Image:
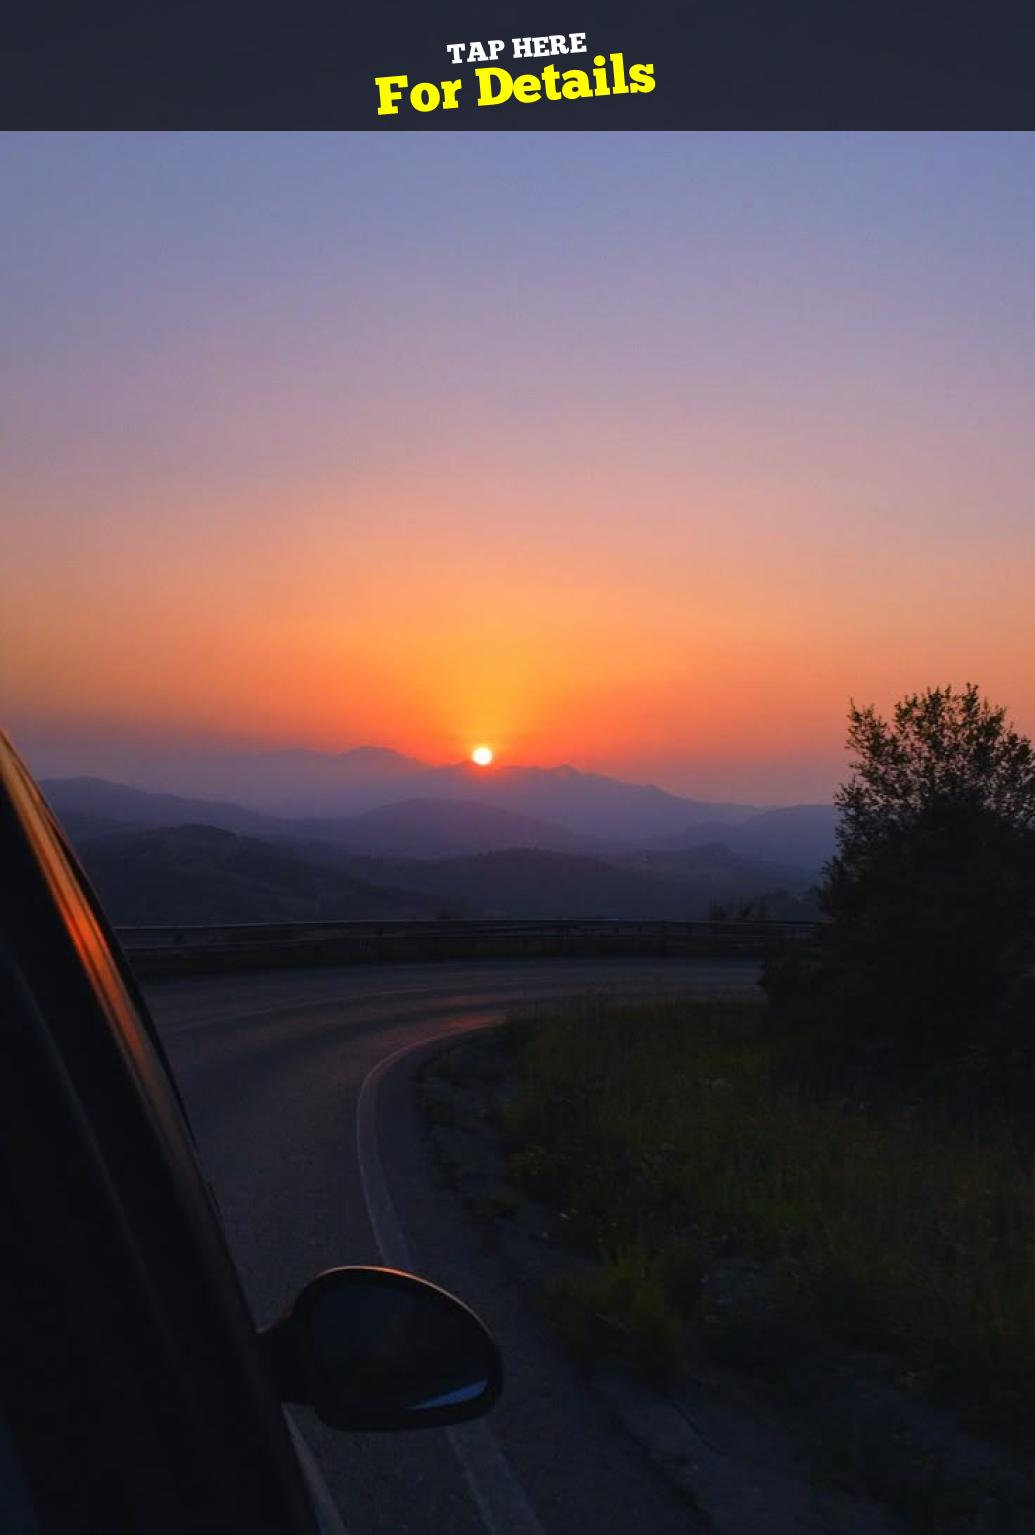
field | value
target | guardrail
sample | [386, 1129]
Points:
[187, 950]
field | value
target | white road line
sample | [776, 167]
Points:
[496, 1490]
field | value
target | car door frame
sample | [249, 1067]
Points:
[134, 1379]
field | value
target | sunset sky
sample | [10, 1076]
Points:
[644, 453]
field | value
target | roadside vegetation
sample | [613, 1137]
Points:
[722, 1196]
[923, 989]
[858, 1151]
[830, 1186]
[844, 1169]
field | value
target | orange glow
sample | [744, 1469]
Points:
[697, 659]
[644, 455]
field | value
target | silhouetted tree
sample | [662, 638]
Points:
[931, 894]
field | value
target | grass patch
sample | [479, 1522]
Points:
[622, 1309]
[676, 1135]
[499, 1204]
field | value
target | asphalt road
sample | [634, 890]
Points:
[275, 1068]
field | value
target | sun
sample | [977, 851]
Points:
[482, 755]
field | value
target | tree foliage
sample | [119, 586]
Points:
[945, 753]
[931, 895]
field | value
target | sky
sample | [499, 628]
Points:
[644, 452]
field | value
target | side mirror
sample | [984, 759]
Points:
[373, 1348]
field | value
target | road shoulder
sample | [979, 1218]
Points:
[775, 1447]
[579, 1466]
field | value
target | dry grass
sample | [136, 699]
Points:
[674, 1134]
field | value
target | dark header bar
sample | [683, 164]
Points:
[570, 64]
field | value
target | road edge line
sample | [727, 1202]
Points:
[495, 1488]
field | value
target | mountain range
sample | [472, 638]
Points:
[609, 849]
[321, 784]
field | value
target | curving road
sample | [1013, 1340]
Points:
[297, 1084]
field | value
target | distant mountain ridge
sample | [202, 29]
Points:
[120, 804]
[428, 828]
[798, 838]
[304, 784]
[293, 781]
[165, 858]
[796, 834]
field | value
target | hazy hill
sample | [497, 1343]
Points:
[717, 862]
[586, 803]
[80, 825]
[116, 804]
[428, 828]
[525, 882]
[764, 851]
[410, 828]
[562, 800]
[293, 782]
[202, 874]
[307, 784]
[799, 835]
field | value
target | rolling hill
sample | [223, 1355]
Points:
[529, 882]
[429, 828]
[119, 805]
[292, 782]
[409, 828]
[165, 858]
[801, 835]
[203, 874]
[306, 784]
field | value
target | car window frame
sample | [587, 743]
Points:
[79, 1032]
